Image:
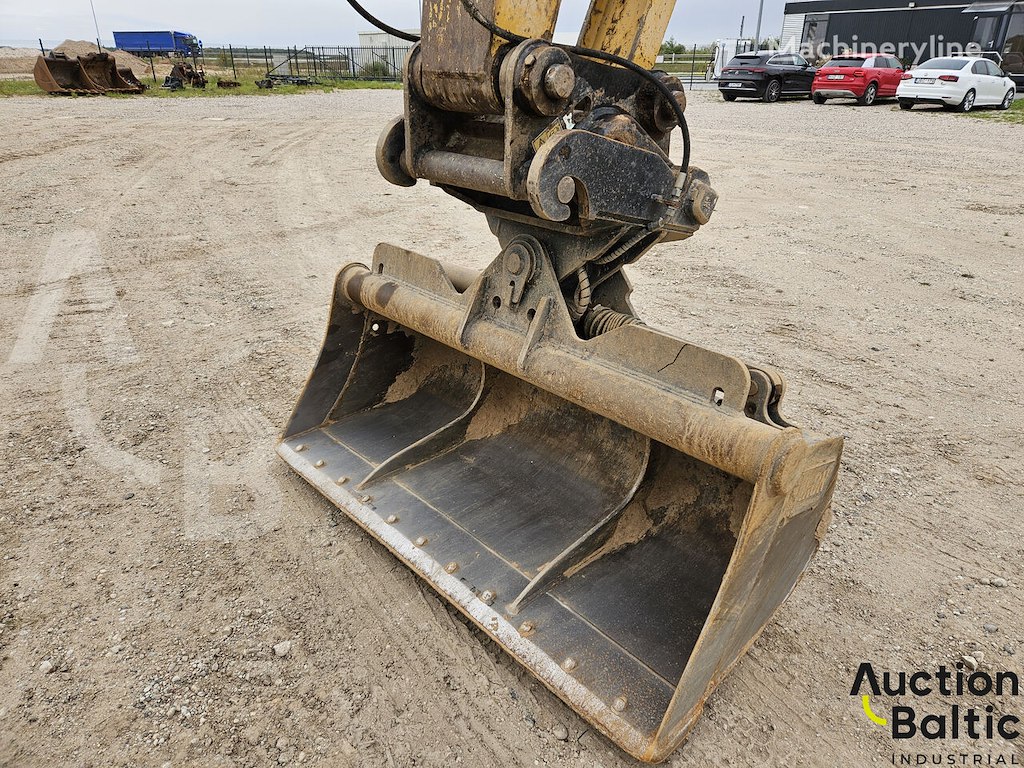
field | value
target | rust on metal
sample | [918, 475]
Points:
[91, 74]
[103, 71]
[62, 75]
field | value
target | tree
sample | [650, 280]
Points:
[671, 46]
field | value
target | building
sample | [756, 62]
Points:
[380, 55]
[378, 39]
[913, 31]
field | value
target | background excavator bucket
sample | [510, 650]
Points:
[607, 510]
[103, 72]
[61, 74]
[129, 77]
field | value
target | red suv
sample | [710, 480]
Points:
[864, 78]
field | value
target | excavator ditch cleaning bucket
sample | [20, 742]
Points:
[102, 71]
[623, 514]
[61, 74]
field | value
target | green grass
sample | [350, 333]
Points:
[685, 67]
[248, 88]
[1016, 112]
[20, 88]
[1014, 115]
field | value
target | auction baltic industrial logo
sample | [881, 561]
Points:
[985, 722]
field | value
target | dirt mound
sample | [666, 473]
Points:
[82, 47]
[17, 65]
[17, 61]
[77, 47]
[20, 61]
[6, 52]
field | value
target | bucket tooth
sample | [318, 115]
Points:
[622, 514]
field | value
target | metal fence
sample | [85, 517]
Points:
[385, 63]
[692, 67]
[313, 61]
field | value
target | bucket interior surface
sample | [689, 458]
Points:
[653, 597]
[624, 541]
[527, 473]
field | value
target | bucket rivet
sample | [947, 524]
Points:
[487, 596]
[300, 448]
[319, 463]
[391, 519]
[569, 664]
[366, 499]
[451, 567]
[341, 480]
[619, 704]
[527, 627]
[421, 541]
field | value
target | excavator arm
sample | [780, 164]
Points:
[623, 511]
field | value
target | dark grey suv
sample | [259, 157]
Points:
[766, 75]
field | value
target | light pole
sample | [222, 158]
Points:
[757, 35]
[97, 25]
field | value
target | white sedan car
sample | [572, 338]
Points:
[961, 83]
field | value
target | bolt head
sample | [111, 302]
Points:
[451, 567]
[569, 664]
[487, 596]
[391, 519]
[319, 463]
[527, 627]
[421, 541]
[515, 260]
[620, 704]
[559, 81]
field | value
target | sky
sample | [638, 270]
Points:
[317, 22]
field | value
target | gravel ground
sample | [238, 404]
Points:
[170, 594]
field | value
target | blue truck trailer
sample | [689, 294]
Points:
[159, 43]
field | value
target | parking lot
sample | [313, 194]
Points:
[167, 268]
